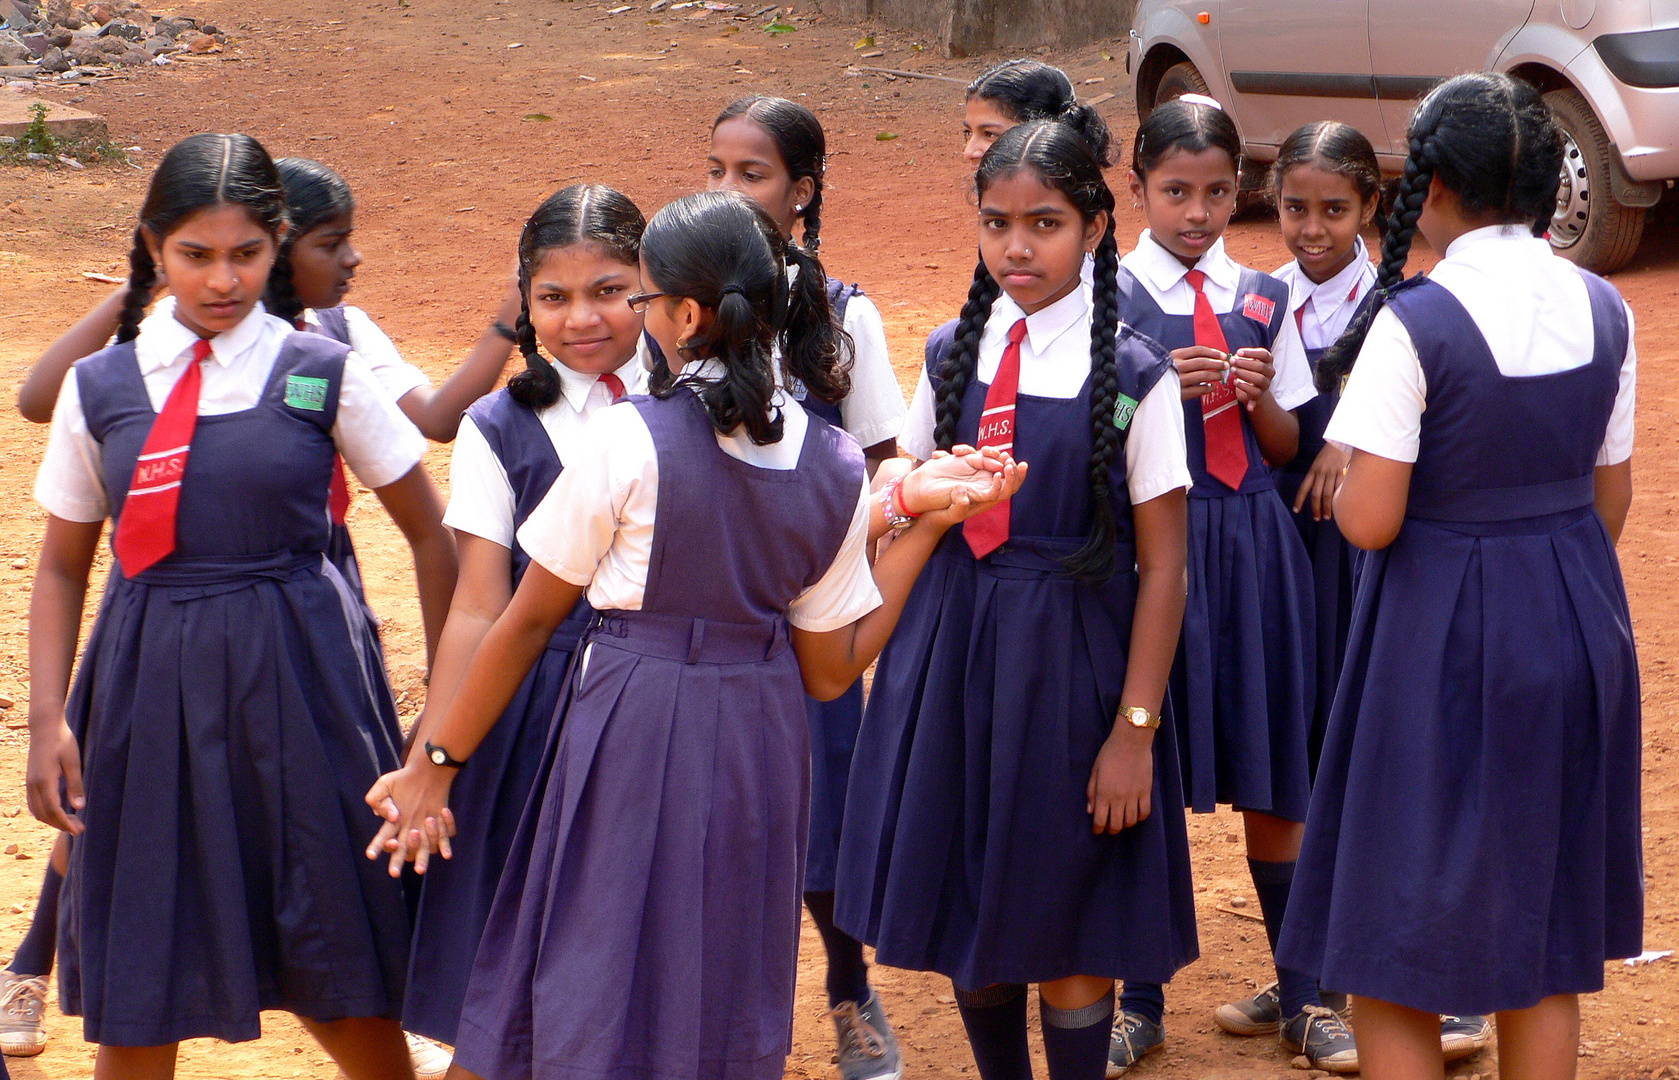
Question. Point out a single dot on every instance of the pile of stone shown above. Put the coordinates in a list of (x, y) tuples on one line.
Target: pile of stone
[(61, 39)]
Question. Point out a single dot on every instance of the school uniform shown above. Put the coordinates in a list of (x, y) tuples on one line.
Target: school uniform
[(353, 327), (230, 704), (967, 848), (648, 919), (1473, 843), (1243, 686), (506, 457), (1321, 312)]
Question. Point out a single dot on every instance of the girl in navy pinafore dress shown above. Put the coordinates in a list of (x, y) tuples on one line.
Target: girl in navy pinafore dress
[(230, 705), (647, 921), (577, 264), (1244, 683), (774, 152), (1016, 813), (1474, 844)]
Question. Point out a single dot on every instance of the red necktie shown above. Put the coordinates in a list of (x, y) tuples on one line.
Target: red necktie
[(614, 384), (1221, 418), (986, 532), (146, 527)]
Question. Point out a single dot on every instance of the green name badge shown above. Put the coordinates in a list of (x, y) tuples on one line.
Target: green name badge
[(303, 392), (1124, 409)]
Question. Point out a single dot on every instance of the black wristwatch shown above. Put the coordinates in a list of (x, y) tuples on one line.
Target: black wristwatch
[(439, 756), (506, 331)]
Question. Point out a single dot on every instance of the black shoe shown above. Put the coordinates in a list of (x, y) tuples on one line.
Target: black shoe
[(1319, 1034), (1134, 1037), (1261, 1014), (1464, 1036)]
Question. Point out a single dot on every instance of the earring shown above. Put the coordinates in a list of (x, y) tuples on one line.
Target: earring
[(798, 209), (683, 343)]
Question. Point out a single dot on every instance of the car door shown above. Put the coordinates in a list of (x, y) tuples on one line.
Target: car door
[(1420, 42), (1294, 63)]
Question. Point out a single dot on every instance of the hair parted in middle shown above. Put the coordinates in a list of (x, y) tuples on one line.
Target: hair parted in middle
[(1028, 90)]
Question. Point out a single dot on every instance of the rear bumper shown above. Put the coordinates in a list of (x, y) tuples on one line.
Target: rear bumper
[(1642, 121)]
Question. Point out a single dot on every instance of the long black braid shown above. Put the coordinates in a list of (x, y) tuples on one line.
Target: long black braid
[(1490, 140), (1095, 560), (142, 279), (958, 365)]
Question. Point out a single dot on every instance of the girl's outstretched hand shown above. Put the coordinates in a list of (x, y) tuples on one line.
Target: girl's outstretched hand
[(55, 758), (932, 484), (979, 495), (1317, 491), (413, 803)]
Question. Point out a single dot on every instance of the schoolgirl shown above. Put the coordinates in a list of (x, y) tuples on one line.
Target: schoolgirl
[(1474, 841), (577, 268), (647, 922), (1020, 91), (774, 152), (1243, 683), (229, 659), (1327, 188), (1016, 813)]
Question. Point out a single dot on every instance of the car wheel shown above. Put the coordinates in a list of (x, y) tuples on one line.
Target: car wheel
[(1589, 227), (1178, 80)]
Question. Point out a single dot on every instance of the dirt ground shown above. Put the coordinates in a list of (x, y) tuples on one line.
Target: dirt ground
[(444, 130)]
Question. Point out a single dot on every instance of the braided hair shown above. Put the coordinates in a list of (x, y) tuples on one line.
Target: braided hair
[(1063, 159), (814, 349), (314, 195), (722, 250), (1180, 126), (200, 172), (1028, 90), (580, 214), (1491, 141)]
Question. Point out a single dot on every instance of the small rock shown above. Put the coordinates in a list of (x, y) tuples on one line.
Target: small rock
[(1231, 838), (11, 849), (6, 701), (1238, 901), (134, 57), (1302, 1063), (60, 38), (122, 28), (114, 45), (65, 159), (14, 811), (157, 46), (55, 61), (101, 13), (37, 44), (18, 909), (199, 44), (75, 22), (209, 28), (24, 855), (83, 52)]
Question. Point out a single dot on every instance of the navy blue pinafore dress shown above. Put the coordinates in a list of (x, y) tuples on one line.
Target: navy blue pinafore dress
[(232, 712), (1473, 843), (491, 793), (1244, 685), (341, 548), (648, 920), (1334, 561), (967, 847)]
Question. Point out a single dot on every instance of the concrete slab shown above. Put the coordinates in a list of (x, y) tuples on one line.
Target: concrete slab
[(63, 121)]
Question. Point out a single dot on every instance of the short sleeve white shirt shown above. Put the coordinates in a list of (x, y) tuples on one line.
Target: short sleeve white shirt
[(481, 497), (377, 351), (1322, 310), (377, 441), (1163, 275), (1054, 363), (595, 527), (1530, 305)]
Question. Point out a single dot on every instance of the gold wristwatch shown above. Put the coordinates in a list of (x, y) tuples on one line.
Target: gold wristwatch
[(1139, 717)]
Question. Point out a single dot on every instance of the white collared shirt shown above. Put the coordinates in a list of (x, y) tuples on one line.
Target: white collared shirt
[(1162, 274), (595, 527), (1054, 363), (377, 351), (481, 498), (1328, 306), (377, 441), (1530, 305)]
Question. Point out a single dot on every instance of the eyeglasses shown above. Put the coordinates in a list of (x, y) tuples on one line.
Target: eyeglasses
[(638, 301)]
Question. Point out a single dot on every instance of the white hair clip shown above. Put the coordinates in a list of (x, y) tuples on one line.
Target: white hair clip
[(1201, 99)]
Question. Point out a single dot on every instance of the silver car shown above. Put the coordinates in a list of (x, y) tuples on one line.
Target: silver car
[(1609, 69)]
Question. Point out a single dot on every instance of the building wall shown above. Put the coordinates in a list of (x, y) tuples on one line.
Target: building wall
[(965, 27)]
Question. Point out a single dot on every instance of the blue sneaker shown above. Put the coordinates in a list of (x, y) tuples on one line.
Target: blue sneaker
[(867, 1048), (1464, 1036), (1134, 1037)]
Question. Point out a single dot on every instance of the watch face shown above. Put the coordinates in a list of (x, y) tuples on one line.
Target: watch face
[(438, 757)]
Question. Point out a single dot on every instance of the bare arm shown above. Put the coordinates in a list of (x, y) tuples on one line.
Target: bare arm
[(55, 622), (436, 411), (1614, 496), (39, 393), (1370, 507), (1122, 780), (414, 505)]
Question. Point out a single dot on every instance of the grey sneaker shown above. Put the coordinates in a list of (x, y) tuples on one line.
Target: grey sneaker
[(1464, 1036), (1134, 1037), (1257, 1015), (430, 1061), (1319, 1034), (23, 1005), (867, 1048)]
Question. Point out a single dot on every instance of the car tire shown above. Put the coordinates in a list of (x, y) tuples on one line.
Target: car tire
[(1589, 227), (1178, 80)]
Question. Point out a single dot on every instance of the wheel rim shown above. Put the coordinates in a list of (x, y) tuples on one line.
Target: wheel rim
[(1568, 224)]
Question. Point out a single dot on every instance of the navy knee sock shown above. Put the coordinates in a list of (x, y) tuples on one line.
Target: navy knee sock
[(1076, 1040), (35, 954), (996, 1021), (848, 972), (1147, 1000), (1271, 880)]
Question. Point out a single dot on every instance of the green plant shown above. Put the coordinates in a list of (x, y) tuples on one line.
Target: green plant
[(36, 138), (776, 28)]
